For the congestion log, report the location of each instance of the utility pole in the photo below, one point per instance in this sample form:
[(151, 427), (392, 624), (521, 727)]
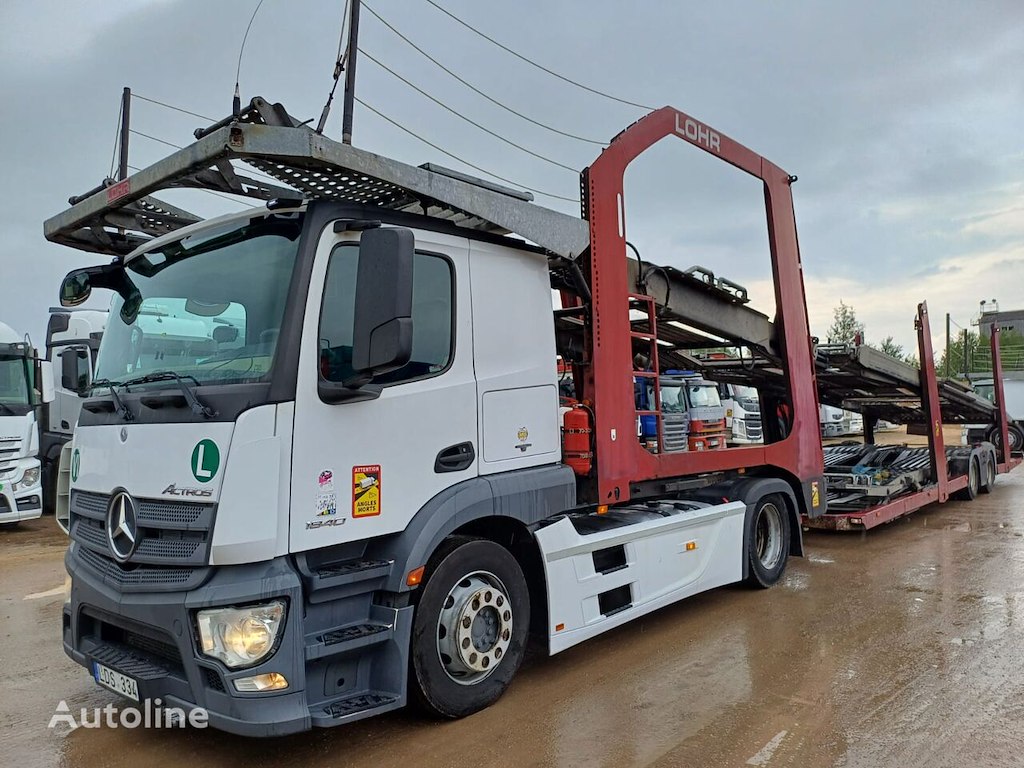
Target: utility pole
[(966, 364), (947, 346), (350, 73), (126, 108)]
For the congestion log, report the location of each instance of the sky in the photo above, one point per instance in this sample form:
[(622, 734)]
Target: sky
[(903, 122)]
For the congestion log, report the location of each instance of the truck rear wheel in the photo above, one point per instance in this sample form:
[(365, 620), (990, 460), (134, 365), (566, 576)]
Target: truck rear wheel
[(470, 629), (768, 542), (969, 492), (990, 475)]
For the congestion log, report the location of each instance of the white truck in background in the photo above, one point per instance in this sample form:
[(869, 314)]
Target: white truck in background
[(742, 413), (1013, 391), (72, 339), (20, 374)]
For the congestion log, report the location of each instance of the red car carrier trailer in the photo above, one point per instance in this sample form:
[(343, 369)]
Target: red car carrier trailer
[(350, 488), (870, 484)]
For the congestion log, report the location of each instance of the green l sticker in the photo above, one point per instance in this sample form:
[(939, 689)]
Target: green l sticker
[(76, 460), (205, 460)]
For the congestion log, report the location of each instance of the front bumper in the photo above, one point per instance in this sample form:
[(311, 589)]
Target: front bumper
[(151, 637), (25, 503)]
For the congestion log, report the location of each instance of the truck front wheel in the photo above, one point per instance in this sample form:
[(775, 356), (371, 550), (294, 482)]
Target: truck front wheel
[(470, 629)]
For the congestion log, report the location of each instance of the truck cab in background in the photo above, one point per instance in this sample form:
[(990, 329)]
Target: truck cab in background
[(25, 384), (742, 413), (692, 414), (72, 340), (1013, 391)]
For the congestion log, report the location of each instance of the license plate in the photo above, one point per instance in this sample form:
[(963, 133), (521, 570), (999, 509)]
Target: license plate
[(115, 681)]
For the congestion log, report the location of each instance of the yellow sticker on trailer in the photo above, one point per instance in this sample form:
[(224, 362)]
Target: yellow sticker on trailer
[(815, 495)]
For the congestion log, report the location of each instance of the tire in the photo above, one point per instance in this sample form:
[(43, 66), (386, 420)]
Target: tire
[(470, 629), (767, 545), (973, 482), (1016, 435), (990, 475)]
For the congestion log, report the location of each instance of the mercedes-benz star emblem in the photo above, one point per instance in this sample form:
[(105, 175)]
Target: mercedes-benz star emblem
[(122, 526)]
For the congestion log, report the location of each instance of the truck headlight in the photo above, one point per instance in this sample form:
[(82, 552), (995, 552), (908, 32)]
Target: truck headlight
[(240, 637), (28, 479)]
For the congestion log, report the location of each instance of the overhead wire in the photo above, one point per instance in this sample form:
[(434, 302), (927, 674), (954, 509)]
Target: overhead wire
[(473, 88), (461, 160), (340, 62), (535, 64), (458, 114), (171, 106)]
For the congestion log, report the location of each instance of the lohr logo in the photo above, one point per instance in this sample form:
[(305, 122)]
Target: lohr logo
[(698, 133), (205, 461)]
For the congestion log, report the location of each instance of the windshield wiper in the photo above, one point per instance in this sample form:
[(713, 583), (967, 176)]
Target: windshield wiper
[(119, 406), (199, 408), (8, 408)]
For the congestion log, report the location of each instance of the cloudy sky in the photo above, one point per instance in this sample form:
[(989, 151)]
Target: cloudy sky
[(902, 120)]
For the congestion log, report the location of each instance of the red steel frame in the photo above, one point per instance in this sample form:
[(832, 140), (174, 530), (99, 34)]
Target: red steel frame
[(1006, 460), (942, 486), (607, 380)]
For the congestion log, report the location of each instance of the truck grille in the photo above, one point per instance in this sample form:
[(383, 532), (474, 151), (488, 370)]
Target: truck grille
[(173, 542), (676, 429), (10, 450), (753, 427)]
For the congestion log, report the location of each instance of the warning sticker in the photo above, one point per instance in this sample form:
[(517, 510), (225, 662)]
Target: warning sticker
[(366, 491)]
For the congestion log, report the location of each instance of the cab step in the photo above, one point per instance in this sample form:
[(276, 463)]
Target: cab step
[(348, 638), (354, 707), (347, 577)]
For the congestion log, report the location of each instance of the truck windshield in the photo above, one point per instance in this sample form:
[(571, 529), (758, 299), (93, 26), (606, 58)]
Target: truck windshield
[(209, 307), (14, 384), (672, 398), (742, 392), (703, 395), (988, 391)]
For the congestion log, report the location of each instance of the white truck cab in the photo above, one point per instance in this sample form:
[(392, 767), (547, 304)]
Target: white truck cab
[(252, 396), (20, 477), (72, 340), (742, 413)]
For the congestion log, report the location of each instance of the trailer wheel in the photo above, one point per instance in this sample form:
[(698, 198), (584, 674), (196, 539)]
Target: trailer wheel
[(768, 541), (990, 475), (970, 492), (470, 629)]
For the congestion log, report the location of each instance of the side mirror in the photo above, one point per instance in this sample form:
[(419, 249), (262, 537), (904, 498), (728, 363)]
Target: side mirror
[(76, 288), (46, 388), (78, 285), (382, 327)]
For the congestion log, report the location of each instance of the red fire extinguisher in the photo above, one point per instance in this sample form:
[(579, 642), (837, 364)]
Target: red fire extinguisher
[(576, 431)]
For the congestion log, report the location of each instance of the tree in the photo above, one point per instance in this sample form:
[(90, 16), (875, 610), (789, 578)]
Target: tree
[(892, 349), (845, 325)]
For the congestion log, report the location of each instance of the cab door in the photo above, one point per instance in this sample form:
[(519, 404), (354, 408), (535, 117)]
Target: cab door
[(364, 468)]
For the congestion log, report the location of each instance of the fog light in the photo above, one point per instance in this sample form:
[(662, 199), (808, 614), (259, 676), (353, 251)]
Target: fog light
[(272, 681)]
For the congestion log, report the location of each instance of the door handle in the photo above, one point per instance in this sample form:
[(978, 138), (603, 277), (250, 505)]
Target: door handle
[(455, 458)]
